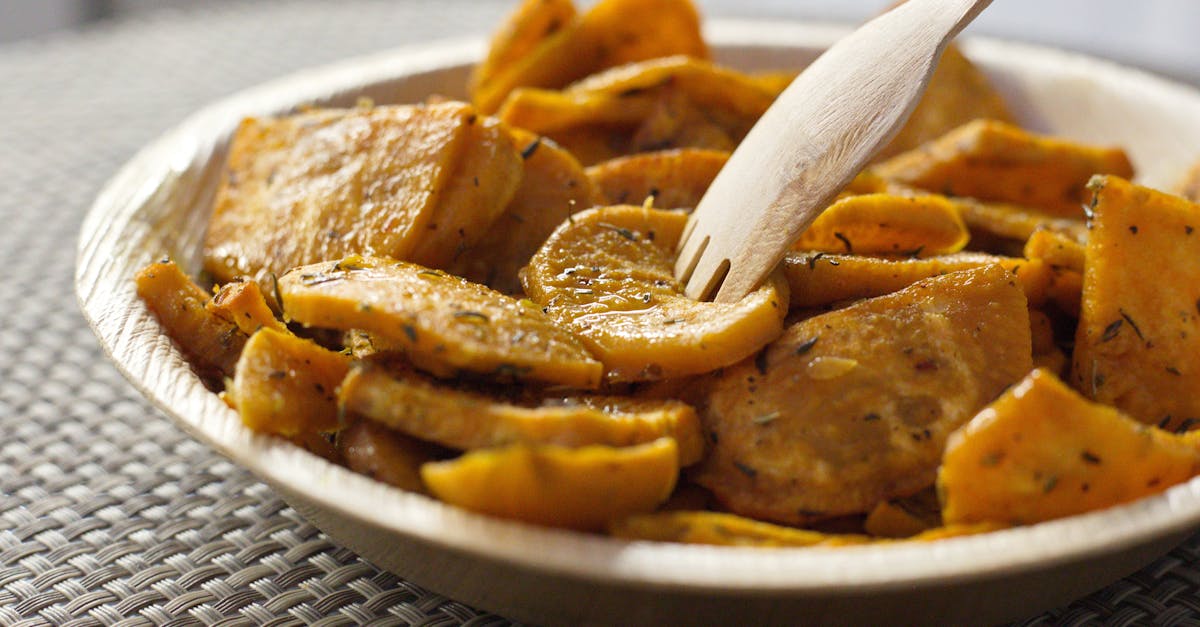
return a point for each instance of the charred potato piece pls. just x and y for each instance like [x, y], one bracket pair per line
[443, 323]
[468, 420]
[1041, 452]
[607, 274]
[578, 488]
[853, 407]
[874, 224]
[675, 179]
[210, 343]
[994, 161]
[1137, 347]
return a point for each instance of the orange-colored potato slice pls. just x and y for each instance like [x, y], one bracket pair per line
[210, 343]
[518, 38]
[578, 488]
[1189, 185]
[818, 279]
[607, 274]
[468, 420]
[396, 180]
[549, 112]
[675, 179]
[1005, 227]
[243, 303]
[1041, 451]
[287, 385]
[1138, 342]
[853, 407]
[443, 323]
[957, 93]
[921, 225]
[993, 161]
[380, 453]
[553, 187]
[1055, 248]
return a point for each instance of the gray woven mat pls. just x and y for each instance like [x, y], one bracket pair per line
[109, 515]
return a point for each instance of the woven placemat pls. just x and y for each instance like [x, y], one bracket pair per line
[109, 515]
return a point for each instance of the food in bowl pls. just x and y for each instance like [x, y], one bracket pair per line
[462, 305]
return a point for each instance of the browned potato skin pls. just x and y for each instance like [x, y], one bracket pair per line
[211, 343]
[1138, 339]
[675, 179]
[323, 184]
[380, 453]
[853, 407]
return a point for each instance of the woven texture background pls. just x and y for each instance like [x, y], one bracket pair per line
[109, 515]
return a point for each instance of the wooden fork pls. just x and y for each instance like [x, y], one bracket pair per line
[812, 141]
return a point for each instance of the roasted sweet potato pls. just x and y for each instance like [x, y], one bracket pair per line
[1138, 342]
[993, 161]
[853, 407]
[287, 385]
[607, 274]
[1055, 248]
[242, 303]
[675, 179]
[443, 323]
[210, 343]
[380, 453]
[467, 420]
[529, 27]
[920, 225]
[579, 488]
[1041, 451]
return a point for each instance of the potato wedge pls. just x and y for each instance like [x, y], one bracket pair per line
[578, 488]
[820, 280]
[994, 161]
[853, 407]
[1137, 347]
[443, 323]
[607, 274]
[396, 180]
[210, 343]
[871, 224]
[1041, 451]
[1055, 248]
[287, 385]
[553, 187]
[243, 303]
[382, 454]
[465, 420]
[676, 178]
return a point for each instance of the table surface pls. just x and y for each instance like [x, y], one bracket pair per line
[109, 515]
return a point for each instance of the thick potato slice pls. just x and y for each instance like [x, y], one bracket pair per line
[371, 449]
[607, 274]
[1138, 342]
[870, 224]
[958, 92]
[410, 182]
[1055, 248]
[675, 179]
[994, 161]
[518, 38]
[1189, 185]
[1041, 451]
[467, 420]
[243, 303]
[579, 488]
[287, 385]
[210, 343]
[550, 112]
[853, 407]
[1004, 227]
[553, 187]
[612, 33]
[443, 323]
[819, 280]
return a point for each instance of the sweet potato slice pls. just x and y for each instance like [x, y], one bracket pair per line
[287, 385]
[243, 303]
[1189, 185]
[1138, 342]
[1002, 226]
[853, 407]
[1055, 248]
[818, 279]
[518, 38]
[1041, 451]
[380, 453]
[443, 323]
[579, 488]
[396, 180]
[553, 187]
[869, 224]
[607, 274]
[210, 343]
[958, 92]
[675, 179]
[993, 161]
[468, 420]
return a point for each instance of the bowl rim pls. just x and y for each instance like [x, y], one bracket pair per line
[116, 315]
